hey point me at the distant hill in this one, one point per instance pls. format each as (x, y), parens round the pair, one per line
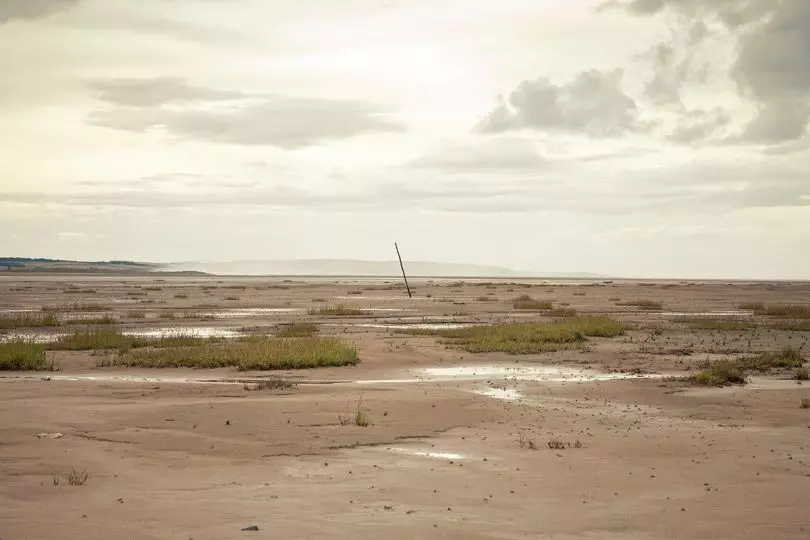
(347, 267)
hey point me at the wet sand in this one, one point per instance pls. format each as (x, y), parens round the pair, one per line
(458, 443)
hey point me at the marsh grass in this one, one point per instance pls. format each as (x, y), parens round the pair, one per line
(643, 303)
(95, 339)
(787, 311)
(78, 478)
(787, 358)
(727, 372)
(561, 312)
(255, 354)
(784, 311)
(297, 329)
(274, 383)
(528, 303)
(104, 320)
(29, 320)
(528, 338)
(792, 326)
(338, 310)
(75, 307)
(722, 373)
(703, 323)
(22, 355)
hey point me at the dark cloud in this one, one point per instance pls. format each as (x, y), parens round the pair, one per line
(592, 104)
(32, 9)
(773, 65)
(239, 118)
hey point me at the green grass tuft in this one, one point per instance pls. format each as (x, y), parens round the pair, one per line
(257, 354)
(527, 302)
(644, 303)
(722, 373)
(96, 339)
(703, 323)
(297, 329)
(29, 320)
(529, 338)
(22, 355)
(785, 359)
(338, 310)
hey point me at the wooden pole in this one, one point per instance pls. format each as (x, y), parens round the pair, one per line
(403, 270)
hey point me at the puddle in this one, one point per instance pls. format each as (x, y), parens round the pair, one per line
(525, 373)
(417, 326)
(728, 313)
(29, 336)
(505, 394)
(427, 453)
(190, 331)
(385, 298)
(247, 312)
(172, 331)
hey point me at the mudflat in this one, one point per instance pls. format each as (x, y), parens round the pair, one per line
(593, 437)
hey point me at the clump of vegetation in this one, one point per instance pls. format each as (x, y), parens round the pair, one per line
(236, 287)
(338, 310)
(256, 354)
(96, 339)
(722, 373)
(787, 358)
(801, 374)
(562, 312)
(355, 292)
(78, 478)
(274, 383)
(785, 311)
(154, 289)
(644, 303)
(232, 298)
(361, 418)
(792, 326)
(136, 315)
(788, 311)
(181, 296)
(104, 319)
(557, 444)
(29, 320)
(22, 355)
(704, 323)
(297, 329)
(76, 307)
(805, 403)
(528, 338)
(527, 302)
(485, 299)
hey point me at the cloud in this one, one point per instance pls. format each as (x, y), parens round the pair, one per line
(187, 111)
(32, 9)
(592, 104)
(156, 91)
(484, 155)
(772, 67)
(699, 125)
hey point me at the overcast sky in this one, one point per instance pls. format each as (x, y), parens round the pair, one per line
(653, 138)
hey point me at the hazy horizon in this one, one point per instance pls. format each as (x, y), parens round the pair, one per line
(636, 138)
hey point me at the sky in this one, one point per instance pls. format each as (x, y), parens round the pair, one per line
(637, 138)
